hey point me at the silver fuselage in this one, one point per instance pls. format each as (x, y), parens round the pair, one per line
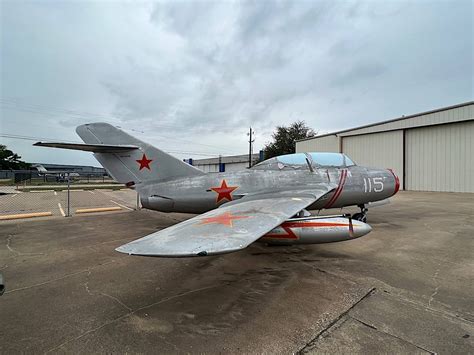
(353, 185)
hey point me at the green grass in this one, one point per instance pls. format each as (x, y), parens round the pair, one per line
(6, 182)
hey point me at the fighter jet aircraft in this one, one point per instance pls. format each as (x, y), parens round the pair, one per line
(267, 203)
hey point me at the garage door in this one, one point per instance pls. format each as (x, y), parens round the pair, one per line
(440, 158)
(379, 150)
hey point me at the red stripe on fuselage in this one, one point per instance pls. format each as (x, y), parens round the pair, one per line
(342, 181)
(304, 224)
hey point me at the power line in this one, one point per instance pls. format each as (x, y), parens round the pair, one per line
(17, 105)
(32, 138)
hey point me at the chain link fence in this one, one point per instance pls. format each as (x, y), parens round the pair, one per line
(24, 196)
(27, 178)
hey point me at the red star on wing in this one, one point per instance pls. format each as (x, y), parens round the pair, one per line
(224, 191)
(144, 162)
(224, 219)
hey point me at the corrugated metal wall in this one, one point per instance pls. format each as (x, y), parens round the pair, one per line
(379, 150)
(464, 112)
(208, 168)
(323, 144)
(440, 158)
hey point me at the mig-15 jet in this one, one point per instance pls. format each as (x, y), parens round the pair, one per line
(267, 203)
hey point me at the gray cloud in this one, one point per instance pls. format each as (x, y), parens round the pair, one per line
(204, 71)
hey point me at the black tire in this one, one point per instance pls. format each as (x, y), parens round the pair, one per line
(360, 217)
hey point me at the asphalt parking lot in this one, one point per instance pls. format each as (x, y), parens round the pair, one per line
(40, 201)
(406, 287)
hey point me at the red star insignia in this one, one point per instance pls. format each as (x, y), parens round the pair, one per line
(224, 219)
(144, 162)
(224, 191)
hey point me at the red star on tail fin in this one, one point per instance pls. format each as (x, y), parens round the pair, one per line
(144, 162)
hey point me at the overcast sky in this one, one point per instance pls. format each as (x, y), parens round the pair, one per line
(193, 76)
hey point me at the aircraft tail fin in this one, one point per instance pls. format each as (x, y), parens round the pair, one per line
(126, 158)
(40, 168)
(132, 166)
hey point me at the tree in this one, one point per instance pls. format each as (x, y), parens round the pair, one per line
(284, 139)
(10, 160)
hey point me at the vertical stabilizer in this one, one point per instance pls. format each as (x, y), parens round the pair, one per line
(134, 166)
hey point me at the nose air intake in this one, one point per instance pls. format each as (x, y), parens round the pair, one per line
(397, 181)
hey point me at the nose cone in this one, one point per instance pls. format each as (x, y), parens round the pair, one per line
(397, 182)
(360, 228)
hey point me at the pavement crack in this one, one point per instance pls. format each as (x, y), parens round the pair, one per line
(59, 278)
(391, 335)
(324, 271)
(116, 299)
(166, 299)
(313, 342)
(364, 323)
(9, 239)
(438, 285)
(17, 253)
(92, 293)
(87, 288)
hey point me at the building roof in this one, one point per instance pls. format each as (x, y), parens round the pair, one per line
(390, 121)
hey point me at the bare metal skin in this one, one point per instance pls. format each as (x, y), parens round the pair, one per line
(193, 194)
(238, 208)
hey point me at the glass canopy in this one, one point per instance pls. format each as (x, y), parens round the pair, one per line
(298, 161)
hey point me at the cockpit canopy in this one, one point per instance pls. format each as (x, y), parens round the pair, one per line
(300, 161)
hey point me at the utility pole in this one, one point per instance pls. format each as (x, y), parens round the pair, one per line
(251, 132)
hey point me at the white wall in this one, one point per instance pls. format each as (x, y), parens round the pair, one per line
(208, 168)
(214, 168)
(322, 144)
(378, 150)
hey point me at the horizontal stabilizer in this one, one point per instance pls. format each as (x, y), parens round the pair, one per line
(96, 148)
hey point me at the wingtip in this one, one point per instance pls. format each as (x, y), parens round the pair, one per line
(123, 249)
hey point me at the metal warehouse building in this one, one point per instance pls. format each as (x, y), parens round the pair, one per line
(224, 163)
(429, 151)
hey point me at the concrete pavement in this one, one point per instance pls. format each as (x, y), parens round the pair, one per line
(405, 287)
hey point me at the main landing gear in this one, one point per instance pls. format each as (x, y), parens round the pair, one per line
(362, 215)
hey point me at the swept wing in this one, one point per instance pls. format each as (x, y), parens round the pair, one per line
(226, 229)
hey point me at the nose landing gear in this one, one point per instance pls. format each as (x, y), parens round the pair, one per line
(362, 215)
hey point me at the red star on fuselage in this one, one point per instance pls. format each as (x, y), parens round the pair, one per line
(224, 191)
(225, 219)
(144, 162)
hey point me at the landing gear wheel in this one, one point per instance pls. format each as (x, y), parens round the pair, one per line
(362, 215)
